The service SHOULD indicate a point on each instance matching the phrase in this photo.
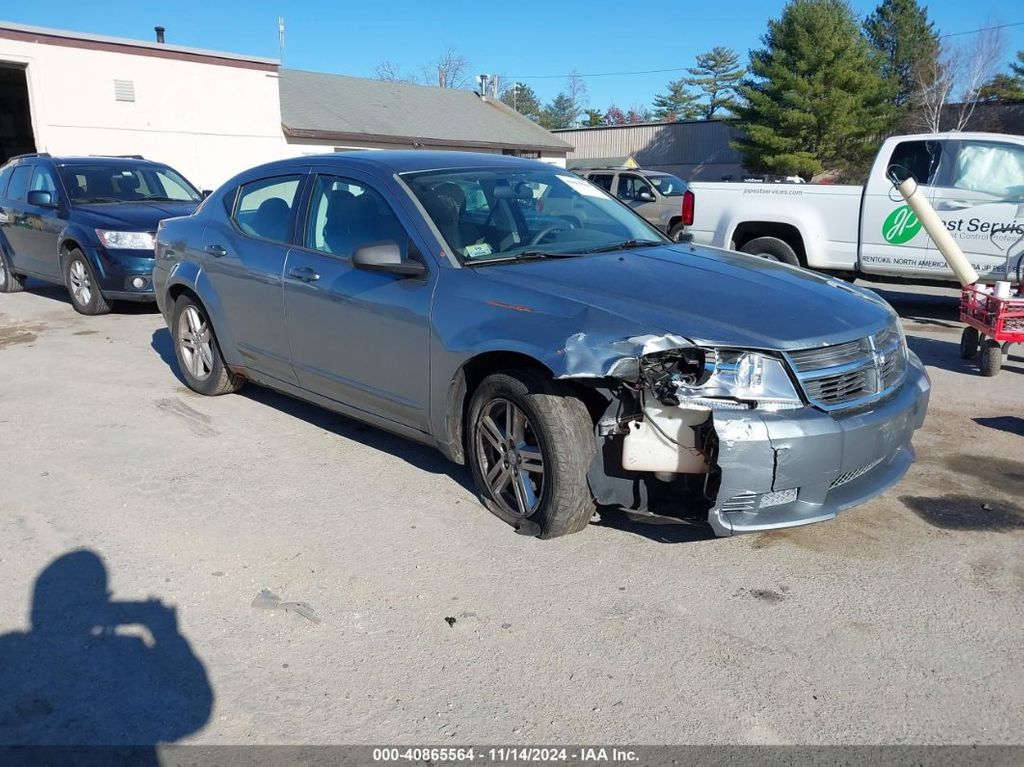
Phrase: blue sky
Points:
(519, 38)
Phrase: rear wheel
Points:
(198, 353)
(9, 281)
(771, 248)
(991, 357)
(530, 443)
(83, 289)
(676, 232)
(969, 343)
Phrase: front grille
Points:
(854, 372)
(849, 476)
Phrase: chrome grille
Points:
(854, 372)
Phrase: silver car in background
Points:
(573, 365)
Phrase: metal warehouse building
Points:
(694, 150)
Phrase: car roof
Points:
(406, 161)
(95, 159)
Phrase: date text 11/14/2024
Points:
(505, 754)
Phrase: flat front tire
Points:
(83, 288)
(530, 442)
(198, 354)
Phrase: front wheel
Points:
(530, 443)
(991, 357)
(198, 353)
(83, 289)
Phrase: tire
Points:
(675, 232)
(969, 343)
(557, 435)
(771, 248)
(83, 289)
(991, 357)
(197, 351)
(9, 281)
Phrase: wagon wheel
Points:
(991, 357)
(969, 343)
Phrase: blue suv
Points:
(87, 223)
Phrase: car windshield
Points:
(104, 182)
(488, 215)
(668, 186)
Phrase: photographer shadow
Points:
(97, 672)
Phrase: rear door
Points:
(892, 240)
(244, 257)
(14, 219)
(359, 337)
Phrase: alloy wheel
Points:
(510, 457)
(195, 343)
(81, 285)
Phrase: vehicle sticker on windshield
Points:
(478, 249)
(581, 186)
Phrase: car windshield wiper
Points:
(89, 200)
(526, 255)
(163, 198)
(624, 245)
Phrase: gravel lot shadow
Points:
(946, 355)
(163, 344)
(1009, 423)
(92, 671)
(658, 529)
(59, 293)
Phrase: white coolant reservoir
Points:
(665, 440)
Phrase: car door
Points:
(629, 191)
(244, 255)
(981, 201)
(43, 226)
(892, 240)
(15, 219)
(358, 337)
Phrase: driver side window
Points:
(630, 187)
(345, 215)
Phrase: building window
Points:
(124, 90)
(529, 154)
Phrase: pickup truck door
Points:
(359, 337)
(892, 240)
(981, 201)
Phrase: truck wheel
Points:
(83, 288)
(530, 442)
(771, 248)
(969, 343)
(9, 281)
(991, 357)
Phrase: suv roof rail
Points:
(28, 154)
(121, 156)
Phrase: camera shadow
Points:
(92, 671)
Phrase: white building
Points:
(211, 114)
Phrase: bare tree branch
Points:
(448, 70)
(389, 71)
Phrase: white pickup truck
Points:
(975, 182)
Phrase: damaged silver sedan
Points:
(524, 322)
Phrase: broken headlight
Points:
(723, 378)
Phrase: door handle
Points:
(304, 274)
(216, 250)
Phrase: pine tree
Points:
(562, 112)
(1006, 87)
(677, 104)
(717, 75)
(815, 99)
(522, 98)
(907, 45)
(592, 118)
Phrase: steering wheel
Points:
(535, 240)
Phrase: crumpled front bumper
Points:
(833, 460)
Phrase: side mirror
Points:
(645, 195)
(386, 257)
(41, 199)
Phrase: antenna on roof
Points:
(280, 37)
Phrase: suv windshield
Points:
(489, 215)
(111, 182)
(668, 186)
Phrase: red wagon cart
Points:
(992, 324)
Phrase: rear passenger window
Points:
(921, 158)
(345, 215)
(5, 176)
(603, 180)
(18, 187)
(265, 207)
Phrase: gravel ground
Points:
(901, 622)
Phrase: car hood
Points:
(132, 216)
(707, 296)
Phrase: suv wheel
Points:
(677, 231)
(198, 353)
(9, 281)
(82, 286)
(530, 445)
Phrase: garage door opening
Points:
(15, 116)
